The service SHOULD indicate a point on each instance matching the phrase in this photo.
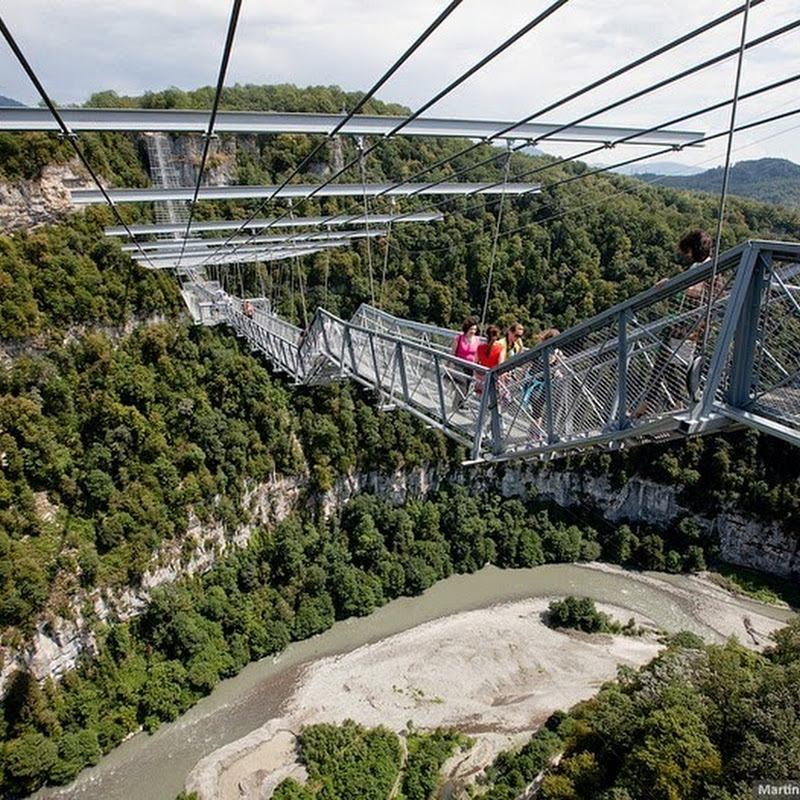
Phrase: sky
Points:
(80, 47)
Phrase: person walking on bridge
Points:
(490, 354)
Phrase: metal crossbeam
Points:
(196, 121)
(277, 222)
(156, 194)
(243, 255)
(210, 245)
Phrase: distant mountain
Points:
(658, 168)
(7, 101)
(770, 180)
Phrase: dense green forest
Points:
(119, 422)
(347, 760)
(700, 721)
(288, 584)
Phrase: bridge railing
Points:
(760, 384)
(431, 336)
(428, 381)
(776, 388)
(267, 333)
(636, 371)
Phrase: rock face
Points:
(58, 642)
(743, 541)
(746, 542)
(28, 203)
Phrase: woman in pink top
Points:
(490, 354)
(466, 343)
(465, 347)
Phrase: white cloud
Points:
(132, 46)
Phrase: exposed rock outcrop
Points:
(28, 203)
(58, 641)
(747, 542)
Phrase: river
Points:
(154, 767)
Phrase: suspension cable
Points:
(701, 140)
(584, 90)
(69, 135)
(494, 242)
(359, 105)
(618, 164)
(296, 267)
(363, 171)
(386, 252)
(676, 120)
(724, 193)
(642, 92)
(440, 95)
(449, 88)
(209, 134)
(702, 29)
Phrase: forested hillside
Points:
(769, 180)
(119, 421)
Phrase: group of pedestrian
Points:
(489, 351)
(493, 349)
(671, 371)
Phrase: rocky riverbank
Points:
(495, 673)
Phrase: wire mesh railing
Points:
(775, 384)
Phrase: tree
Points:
(580, 613)
(675, 757)
(28, 761)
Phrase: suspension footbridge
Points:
(656, 367)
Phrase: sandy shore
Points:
(496, 673)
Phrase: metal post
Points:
(548, 394)
(401, 366)
(622, 368)
(744, 345)
(730, 321)
(496, 418)
(438, 370)
(480, 422)
(374, 360)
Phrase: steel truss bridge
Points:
(662, 365)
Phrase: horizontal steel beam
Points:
(156, 194)
(275, 222)
(196, 121)
(242, 256)
(760, 423)
(209, 245)
(281, 251)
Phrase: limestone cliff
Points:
(746, 542)
(27, 203)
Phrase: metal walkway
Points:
(632, 374)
